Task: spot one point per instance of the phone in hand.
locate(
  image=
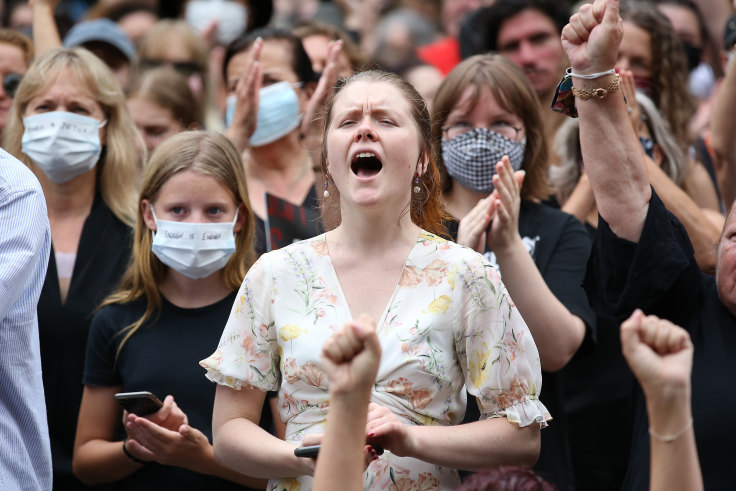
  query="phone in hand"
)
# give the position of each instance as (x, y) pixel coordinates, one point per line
(140, 403)
(311, 451)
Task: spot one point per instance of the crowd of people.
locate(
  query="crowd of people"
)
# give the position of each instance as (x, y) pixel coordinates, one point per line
(453, 244)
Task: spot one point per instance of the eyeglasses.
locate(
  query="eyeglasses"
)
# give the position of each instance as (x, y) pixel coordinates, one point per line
(504, 129)
(11, 81)
(186, 68)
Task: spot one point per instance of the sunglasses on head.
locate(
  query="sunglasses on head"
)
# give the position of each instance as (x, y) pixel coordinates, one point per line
(186, 68)
(11, 81)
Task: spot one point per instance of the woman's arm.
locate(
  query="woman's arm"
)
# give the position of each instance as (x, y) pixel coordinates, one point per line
(661, 356)
(699, 186)
(98, 455)
(581, 200)
(185, 447)
(471, 446)
(701, 230)
(45, 33)
(723, 127)
(557, 332)
(240, 444)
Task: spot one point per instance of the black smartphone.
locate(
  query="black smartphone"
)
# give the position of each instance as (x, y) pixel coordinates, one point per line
(140, 403)
(310, 451)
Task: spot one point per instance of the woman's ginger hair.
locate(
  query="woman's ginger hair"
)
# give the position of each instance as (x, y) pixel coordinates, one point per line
(209, 154)
(513, 92)
(119, 165)
(425, 208)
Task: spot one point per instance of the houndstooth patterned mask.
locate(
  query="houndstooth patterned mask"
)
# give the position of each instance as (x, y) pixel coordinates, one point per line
(471, 158)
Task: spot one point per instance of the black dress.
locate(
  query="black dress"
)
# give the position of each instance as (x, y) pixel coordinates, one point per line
(659, 274)
(102, 256)
(559, 245)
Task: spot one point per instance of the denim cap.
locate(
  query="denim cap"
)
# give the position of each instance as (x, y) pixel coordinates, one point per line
(100, 30)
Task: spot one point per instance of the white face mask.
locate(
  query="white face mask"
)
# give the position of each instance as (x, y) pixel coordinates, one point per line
(195, 250)
(278, 113)
(231, 17)
(63, 145)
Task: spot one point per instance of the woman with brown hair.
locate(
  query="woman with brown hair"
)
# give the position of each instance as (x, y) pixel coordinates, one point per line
(653, 53)
(162, 104)
(487, 126)
(192, 246)
(445, 321)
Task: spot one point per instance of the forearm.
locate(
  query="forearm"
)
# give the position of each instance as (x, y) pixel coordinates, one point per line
(702, 232)
(102, 461)
(209, 465)
(478, 445)
(613, 160)
(674, 464)
(557, 332)
(45, 33)
(342, 446)
(243, 446)
(581, 200)
(723, 144)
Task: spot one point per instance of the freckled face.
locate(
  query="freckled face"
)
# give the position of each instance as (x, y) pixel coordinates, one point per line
(373, 146)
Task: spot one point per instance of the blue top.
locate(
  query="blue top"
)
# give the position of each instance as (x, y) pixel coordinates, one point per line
(25, 241)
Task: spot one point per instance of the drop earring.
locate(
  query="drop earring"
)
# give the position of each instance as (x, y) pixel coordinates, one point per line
(417, 189)
(326, 193)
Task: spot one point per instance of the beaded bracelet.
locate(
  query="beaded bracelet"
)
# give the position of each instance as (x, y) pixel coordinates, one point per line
(131, 456)
(671, 438)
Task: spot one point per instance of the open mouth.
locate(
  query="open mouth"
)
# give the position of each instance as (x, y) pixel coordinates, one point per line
(366, 164)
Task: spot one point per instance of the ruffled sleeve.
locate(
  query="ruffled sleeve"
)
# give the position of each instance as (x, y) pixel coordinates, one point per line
(248, 352)
(495, 347)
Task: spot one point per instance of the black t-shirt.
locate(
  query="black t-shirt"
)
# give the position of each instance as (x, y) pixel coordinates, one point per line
(560, 245)
(102, 255)
(659, 274)
(162, 357)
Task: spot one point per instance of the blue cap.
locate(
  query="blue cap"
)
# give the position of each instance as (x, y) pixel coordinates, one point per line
(100, 30)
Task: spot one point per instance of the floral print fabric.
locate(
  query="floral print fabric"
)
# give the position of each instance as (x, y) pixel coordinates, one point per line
(449, 324)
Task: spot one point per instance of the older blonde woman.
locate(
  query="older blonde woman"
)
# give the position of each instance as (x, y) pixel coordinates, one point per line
(70, 125)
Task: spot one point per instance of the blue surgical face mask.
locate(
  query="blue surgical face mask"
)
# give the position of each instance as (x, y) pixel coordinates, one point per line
(278, 113)
(63, 145)
(195, 250)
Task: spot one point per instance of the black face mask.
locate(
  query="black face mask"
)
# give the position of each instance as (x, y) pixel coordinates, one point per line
(692, 53)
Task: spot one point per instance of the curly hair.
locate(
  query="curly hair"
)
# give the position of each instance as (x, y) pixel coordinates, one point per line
(669, 68)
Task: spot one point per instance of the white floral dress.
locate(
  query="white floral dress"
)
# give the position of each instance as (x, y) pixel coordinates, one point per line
(449, 324)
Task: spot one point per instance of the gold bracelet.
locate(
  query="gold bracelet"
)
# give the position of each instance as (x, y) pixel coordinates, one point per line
(671, 438)
(598, 93)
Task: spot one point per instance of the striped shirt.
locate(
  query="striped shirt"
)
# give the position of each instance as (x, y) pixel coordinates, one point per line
(25, 241)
